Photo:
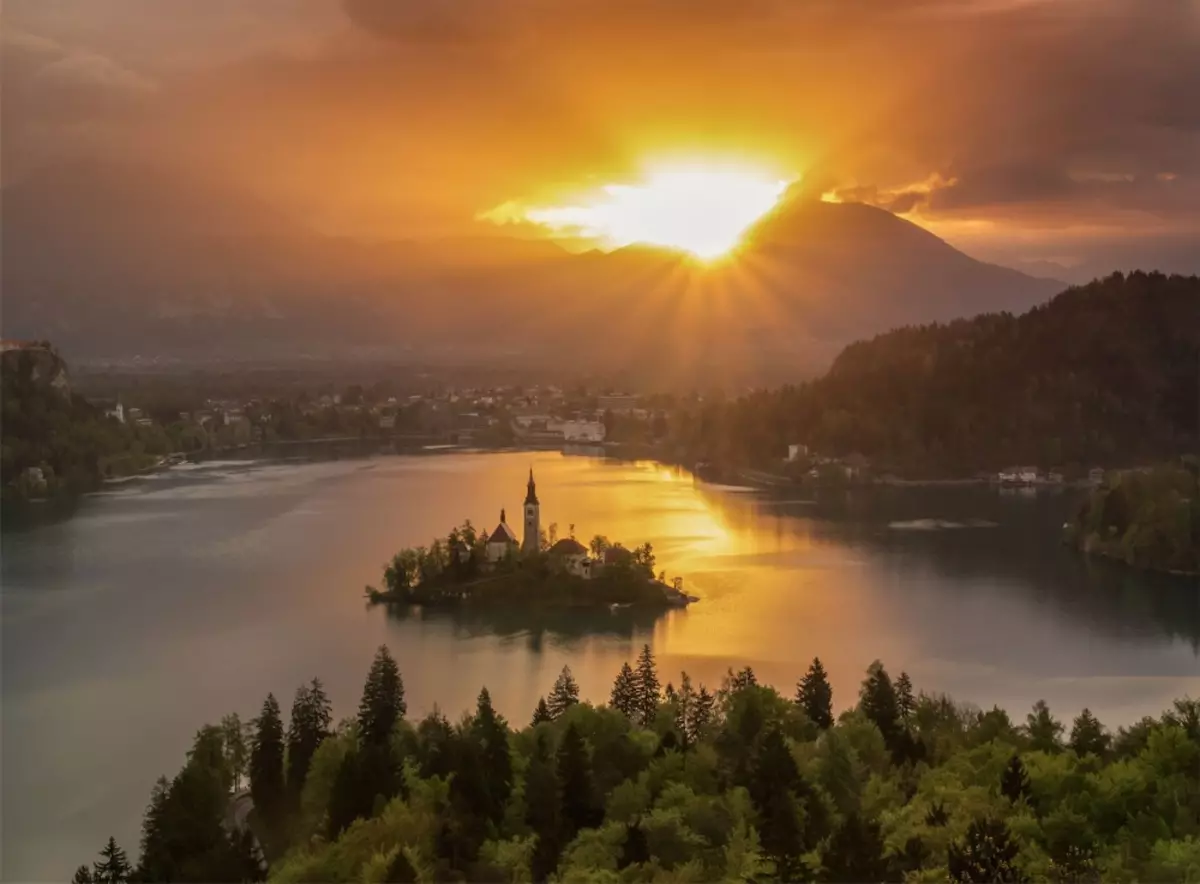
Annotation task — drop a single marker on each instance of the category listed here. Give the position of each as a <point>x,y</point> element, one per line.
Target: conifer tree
<point>878,702</point>
<point>577,797</point>
<point>700,715</point>
<point>742,679</point>
<point>774,779</point>
<point>1043,729</point>
<point>382,703</point>
<point>83,875</point>
<point>312,715</point>
<point>113,867</point>
<point>1014,782</point>
<point>155,864</point>
<point>543,811</point>
<point>635,848</point>
<point>266,762</point>
<point>905,702</point>
<point>490,732</point>
<point>565,693</point>
<point>985,855</point>
<point>855,853</point>
<point>647,688</point>
<point>541,713</point>
<point>237,752</point>
<point>1088,735</point>
<point>937,815</point>
<point>685,698</point>
<point>815,696</point>
<point>625,693</point>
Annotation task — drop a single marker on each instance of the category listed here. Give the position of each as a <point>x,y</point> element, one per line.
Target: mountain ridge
<point>108,271</point>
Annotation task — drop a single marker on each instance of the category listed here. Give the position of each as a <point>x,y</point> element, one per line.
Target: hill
<point>113,262</point>
<point>1105,373</point>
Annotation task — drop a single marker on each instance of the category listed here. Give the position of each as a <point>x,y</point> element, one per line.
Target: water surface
<point>166,602</point>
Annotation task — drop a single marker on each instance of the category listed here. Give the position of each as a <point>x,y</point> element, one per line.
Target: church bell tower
<point>532,537</point>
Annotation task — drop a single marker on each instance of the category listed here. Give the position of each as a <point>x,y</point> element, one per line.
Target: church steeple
<point>532,539</point>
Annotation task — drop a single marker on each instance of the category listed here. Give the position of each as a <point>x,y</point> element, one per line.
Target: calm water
<point>172,600</point>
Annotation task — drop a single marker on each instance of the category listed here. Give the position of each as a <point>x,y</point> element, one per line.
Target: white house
<point>501,541</point>
<point>582,431</point>
<point>574,557</point>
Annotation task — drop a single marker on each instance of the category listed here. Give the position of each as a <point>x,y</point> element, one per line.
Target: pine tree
<point>490,731</point>
<point>877,700</point>
<point>647,688</point>
<point>937,815</point>
<point>855,853</point>
<point>635,848</point>
<point>684,700</point>
<point>624,693</point>
<point>577,798</point>
<point>1088,735</point>
<point>905,703</point>
<point>986,855</point>
<point>541,713</point>
<point>565,693</point>
<point>542,810</point>
<point>83,875</point>
<point>155,863</point>
<point>266,762</point>
<point>312,715</point>
<point>742,679</point>
<point>773,781</point>
<point>700,716</point>
<point>1044,731</point>
<point>237,753</point>
<point>113,867</point>
<point>1014,782</point>
<point>382,703</point>
<point>815,696</point>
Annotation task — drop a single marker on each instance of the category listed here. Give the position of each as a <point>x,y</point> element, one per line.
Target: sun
<point>699,208</point>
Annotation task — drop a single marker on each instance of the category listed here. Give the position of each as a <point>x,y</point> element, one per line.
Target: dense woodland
<point>677,783</point>
<point>1105,374</point>
<point>52,429</point>
<point>1144,518</point>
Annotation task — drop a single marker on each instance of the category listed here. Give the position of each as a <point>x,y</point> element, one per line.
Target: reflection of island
<point>540,571</point>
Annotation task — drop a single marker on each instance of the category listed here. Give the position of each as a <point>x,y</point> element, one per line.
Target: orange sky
<point>1021,129</point>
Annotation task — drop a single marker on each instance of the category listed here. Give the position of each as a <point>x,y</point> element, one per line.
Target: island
<point>466,567</point>
<point>1147,518</point>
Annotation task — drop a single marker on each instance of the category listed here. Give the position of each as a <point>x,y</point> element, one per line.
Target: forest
<point>676,783</point>
<point>1145,518</point>
<point>48,427</point>
<point>1106,374</point>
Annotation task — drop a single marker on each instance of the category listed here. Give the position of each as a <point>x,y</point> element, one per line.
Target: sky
<point>1023,131</point>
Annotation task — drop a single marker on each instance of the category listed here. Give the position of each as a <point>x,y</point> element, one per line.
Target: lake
<point>168,601</point>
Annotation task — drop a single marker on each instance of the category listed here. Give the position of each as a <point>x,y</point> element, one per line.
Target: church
<point>503,541</point>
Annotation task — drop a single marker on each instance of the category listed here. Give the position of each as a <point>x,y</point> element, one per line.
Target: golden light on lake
<point>698,207</point>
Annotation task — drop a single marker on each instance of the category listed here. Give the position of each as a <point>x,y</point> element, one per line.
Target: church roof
<point>531,490</point>
<point>568,546</point>
<point>502,534</point>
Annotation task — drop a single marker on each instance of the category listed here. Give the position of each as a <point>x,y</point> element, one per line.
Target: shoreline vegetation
<point>1147,519</point>
<point>456,570</point>
<point>674,783</point>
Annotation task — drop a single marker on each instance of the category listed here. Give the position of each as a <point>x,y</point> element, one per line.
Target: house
<point>1096,476</point>
<point>582,431</point>
<point>573,556</point>
<point>1018,476</point>
<point>796,451</point>
<point>617,404</point>
<point>502,541</point>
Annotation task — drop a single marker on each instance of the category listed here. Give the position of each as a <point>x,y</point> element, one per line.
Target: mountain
<point>115,261</point>
<point>1107,373</point>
